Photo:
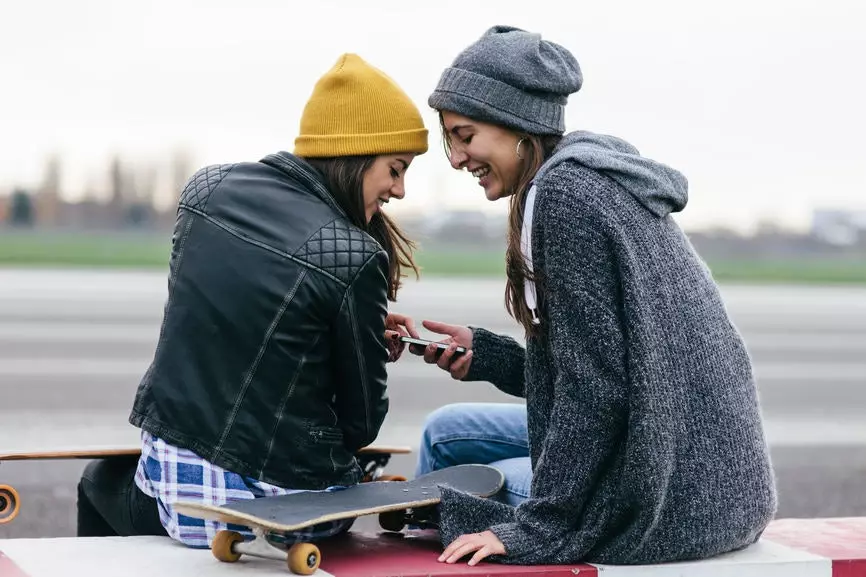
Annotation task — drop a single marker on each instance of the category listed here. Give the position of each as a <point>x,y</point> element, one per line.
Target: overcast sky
<point>762,104</point>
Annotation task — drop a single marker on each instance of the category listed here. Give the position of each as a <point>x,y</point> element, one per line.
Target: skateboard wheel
<point>9,504</point>
<point>391,478</point>
<point>303,558</point>
<point>223,546</point>
<point>392,520</point>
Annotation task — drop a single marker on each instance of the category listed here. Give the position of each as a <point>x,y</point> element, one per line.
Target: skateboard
<point>372,459</point>
<point>398,504</point>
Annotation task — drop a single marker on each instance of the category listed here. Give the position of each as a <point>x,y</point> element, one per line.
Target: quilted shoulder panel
<point>199,187</point>
<point>339,249</point>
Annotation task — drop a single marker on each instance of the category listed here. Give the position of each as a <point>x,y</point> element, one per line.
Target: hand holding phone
<point>454,354</point>
<point>397,325</point>
<point>441,347</point>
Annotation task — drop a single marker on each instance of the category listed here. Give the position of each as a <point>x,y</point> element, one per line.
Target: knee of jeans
<point>445,420</point>
<point>90,473</point>
<point>87,480</point>
<point>441,421</point>
<point>82,491</point>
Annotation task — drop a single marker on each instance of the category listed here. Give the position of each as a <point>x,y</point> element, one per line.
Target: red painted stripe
<point>415,555</point>
<point>8,568</point>
<point>843,540</point>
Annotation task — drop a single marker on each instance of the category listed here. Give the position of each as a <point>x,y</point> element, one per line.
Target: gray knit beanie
<point>513,78</point>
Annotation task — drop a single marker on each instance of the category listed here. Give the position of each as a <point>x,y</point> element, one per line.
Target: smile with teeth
<point>382,201</point>
<point>481,172</point>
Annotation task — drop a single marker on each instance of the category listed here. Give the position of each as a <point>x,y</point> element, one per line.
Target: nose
<point>458,158</point>
<point>398,190</point>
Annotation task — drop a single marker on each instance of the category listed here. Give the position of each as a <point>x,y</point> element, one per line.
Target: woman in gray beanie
<point>641,439</point>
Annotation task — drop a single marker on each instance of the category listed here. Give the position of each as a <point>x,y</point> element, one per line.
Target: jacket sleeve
<point>361,396</point>
<point>587,414</point>
<point>499,360</point>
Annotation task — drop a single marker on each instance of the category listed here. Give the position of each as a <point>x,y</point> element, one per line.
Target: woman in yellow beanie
<point>270,370</point>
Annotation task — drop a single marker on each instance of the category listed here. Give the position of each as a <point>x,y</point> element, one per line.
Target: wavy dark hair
<point>344,176</point>
<point>535,149</point>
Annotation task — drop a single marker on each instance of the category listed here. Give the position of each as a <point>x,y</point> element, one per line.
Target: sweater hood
<point>658,187</point>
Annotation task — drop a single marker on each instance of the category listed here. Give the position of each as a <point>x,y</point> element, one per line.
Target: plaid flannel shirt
<point>169,474</point>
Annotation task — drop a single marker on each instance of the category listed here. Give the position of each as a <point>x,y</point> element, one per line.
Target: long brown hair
<point>344,176</point>
<point>534,149</point>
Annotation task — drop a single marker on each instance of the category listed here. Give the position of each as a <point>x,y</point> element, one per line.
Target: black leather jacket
<point>271,356</point>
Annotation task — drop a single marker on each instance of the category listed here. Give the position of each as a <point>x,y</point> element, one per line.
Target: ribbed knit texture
<point>646,437</point>
<point>513,78</point>
<point>356,109</point>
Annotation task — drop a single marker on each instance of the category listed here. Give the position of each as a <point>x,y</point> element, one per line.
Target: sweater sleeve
<point>587,409</point>
<point>497,359</point>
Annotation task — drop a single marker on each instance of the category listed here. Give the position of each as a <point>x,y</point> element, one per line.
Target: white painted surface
<point>764,559</point>
<point>130,557</point>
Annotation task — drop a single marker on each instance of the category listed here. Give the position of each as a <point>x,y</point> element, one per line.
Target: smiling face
<point>488,151</point>
<point>383,181</point>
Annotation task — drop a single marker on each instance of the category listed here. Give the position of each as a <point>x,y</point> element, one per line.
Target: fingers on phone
<point>410,326</point>
<point>431,353</point>
<point>460,368</point>
<point>447,356</point>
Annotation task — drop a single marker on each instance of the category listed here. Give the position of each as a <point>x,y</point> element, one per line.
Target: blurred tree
<point>181,169</point>
<point>137,215</point>
<point>119,190</point>
<point>117,180</point>
<point>21,212</point>
<point>144,187</point>
<point>47,201</point>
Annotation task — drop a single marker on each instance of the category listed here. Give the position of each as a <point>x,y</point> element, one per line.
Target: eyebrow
<point>455,129</point>
<point>405,164</point>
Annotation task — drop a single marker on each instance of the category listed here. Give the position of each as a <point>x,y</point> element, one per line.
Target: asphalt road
<point>73,346</point>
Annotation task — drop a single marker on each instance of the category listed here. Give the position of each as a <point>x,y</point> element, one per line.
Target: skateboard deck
<point>372,459</point>
<point>71,453</point>
<point>128,450</point>
<point>396,502</point>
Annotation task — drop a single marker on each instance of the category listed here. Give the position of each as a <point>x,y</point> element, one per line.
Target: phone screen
<point>424,343</point>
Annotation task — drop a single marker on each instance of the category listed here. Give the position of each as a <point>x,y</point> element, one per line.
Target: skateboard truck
<point>301,558</point>
<point>374,468</point>
<point>418,518</point>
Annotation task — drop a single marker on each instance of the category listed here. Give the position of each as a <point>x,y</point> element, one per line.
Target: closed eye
<point>462,129</point>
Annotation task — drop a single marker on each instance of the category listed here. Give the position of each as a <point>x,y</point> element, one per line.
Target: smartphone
<point>424,343</point>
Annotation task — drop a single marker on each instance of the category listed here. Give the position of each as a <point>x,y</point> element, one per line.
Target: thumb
<point>441,328</point>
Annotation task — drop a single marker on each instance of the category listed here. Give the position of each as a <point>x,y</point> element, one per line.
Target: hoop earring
<point>519,142</point>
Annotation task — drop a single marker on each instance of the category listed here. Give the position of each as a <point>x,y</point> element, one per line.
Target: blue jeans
<point>492,434</point>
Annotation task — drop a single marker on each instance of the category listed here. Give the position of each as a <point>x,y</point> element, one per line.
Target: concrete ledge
<point>790,548</point>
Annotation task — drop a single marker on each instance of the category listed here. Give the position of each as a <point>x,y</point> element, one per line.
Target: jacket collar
<point>298,168</point>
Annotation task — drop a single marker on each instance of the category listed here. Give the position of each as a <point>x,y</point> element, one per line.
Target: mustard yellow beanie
<point>356,109</point>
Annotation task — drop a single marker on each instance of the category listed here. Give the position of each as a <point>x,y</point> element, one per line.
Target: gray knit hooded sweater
<point>645,431</point>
